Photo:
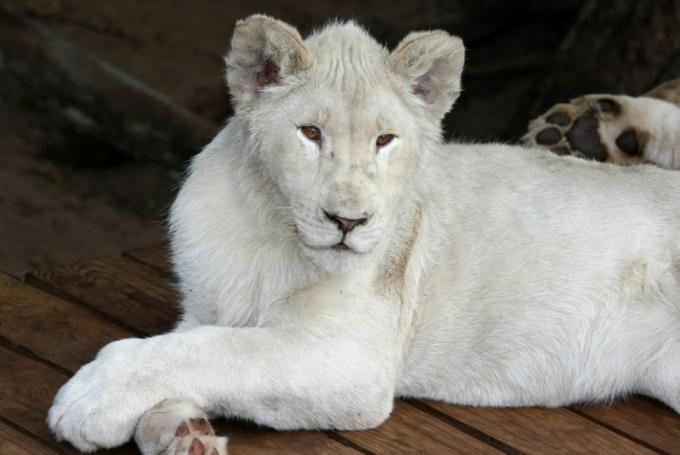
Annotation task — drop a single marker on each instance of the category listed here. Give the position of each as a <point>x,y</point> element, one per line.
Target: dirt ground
<point>53,212</point>
<point>58,208</point>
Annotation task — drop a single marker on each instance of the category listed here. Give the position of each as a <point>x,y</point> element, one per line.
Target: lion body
<point>332,253</point>
<point>532,278</point>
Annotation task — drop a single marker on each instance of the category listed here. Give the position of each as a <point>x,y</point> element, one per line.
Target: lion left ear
<point>432,64</point>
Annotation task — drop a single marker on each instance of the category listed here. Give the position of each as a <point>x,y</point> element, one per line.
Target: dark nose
<point>345,224</point>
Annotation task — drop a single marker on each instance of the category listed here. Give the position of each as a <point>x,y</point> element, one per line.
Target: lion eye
<point>384,139</point>
<point>311,132</point>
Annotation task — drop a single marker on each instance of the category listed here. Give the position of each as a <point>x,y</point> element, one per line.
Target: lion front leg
<point>334,372</point>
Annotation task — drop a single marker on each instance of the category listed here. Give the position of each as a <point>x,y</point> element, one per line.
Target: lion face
<point>341,163</point>
<point>340,124</point>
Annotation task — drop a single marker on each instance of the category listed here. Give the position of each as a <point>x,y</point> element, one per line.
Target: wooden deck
<point>57,318</point>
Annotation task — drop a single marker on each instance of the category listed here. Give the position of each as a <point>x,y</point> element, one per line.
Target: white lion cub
<point>333,253</point>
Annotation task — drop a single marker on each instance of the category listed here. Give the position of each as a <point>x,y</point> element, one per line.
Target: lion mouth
<point>340,246</point>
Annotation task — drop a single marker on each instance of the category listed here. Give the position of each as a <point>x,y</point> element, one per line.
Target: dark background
<point>102,103</point>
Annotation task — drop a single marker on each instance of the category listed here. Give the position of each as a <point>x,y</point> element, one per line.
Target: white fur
<point>661,120</point>
<point>487,274</point>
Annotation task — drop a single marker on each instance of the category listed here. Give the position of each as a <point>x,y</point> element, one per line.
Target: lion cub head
<point>341,124</point>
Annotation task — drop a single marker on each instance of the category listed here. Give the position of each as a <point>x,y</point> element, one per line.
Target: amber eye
<point>311,132</point>
<point>384,139</point>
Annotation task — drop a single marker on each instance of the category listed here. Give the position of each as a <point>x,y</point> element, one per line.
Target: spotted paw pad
<point>200,426</point>
<point>580,128</point>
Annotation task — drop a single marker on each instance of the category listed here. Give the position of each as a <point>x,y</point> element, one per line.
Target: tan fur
<point>668,91</point>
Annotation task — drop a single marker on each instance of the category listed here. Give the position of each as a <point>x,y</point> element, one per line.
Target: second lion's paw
<point>595,127</point>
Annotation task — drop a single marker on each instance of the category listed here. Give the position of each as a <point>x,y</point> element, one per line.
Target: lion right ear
<point>264,52</point>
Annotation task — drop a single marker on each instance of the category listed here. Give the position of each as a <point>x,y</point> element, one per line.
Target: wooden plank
<point>410,430</point>
<point>119,287</point>
<point>52,328</point>
<point>26,394</point>
<point>269,442</point>
<point>13,442</point>
<point>642,418</point>
<point>157,257</point>
<point>542,430</point>
<point>47,326</point>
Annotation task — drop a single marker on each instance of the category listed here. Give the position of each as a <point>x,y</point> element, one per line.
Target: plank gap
<point>25,352</point>
<point>44,286</point>
<point>465,428</point>
<point>31,436</point>
<point>128,292</point>
<point>157,256</point>
<point>617,431</point>
<point>150,268</point>
<point>164,273</point>
<point>337,437</point>
<point>654,402</point>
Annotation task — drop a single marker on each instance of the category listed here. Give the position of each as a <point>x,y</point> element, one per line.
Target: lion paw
<point>196,437</point>
<point>595,127</point>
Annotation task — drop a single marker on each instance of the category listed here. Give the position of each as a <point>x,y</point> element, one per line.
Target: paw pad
<point>559,118</point>
<point>200,426</point>
<point>196,447</point>
<point>196,437</point>
<point>584,137</point>
<point>631,142</point>
<point>609,106</point>
<point>580,128</point>
<point>561,150</point>
<point>549,136</point>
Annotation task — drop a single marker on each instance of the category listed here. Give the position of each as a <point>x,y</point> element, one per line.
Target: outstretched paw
<point>595,127</point>
<point>101,404</point>
<point>196,437</point>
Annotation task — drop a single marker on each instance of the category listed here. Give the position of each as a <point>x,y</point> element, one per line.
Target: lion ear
<point>432,64</point>
<point>264,52</point>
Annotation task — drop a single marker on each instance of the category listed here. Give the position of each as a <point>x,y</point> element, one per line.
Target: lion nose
<point>345,224</point>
